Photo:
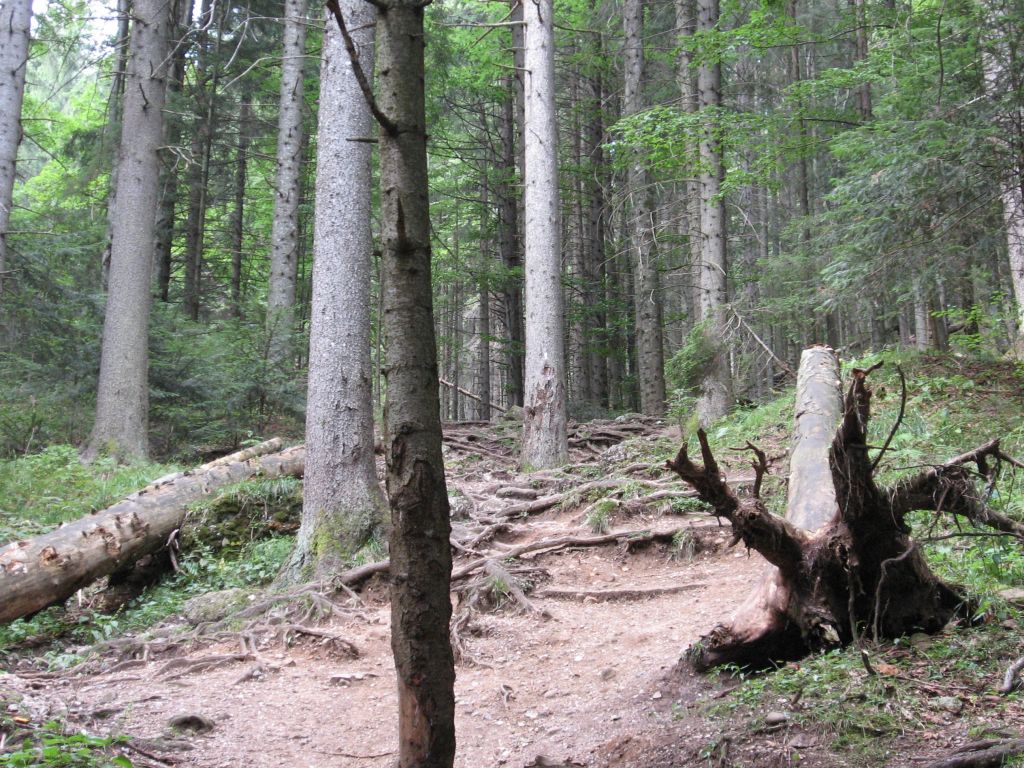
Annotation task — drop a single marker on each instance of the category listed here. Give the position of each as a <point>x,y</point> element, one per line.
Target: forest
<point>489,382</point>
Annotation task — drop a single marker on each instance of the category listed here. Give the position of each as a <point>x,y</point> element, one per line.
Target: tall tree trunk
<point>716,385</point>
<point>238,213</point>
<point>544,409</point>
<point>342,505</point>
<point>650,362</point>
<point>15,20</point>
<point>421,561</point>
<point>112,134</point>
<point>686,81</point>
<point>594,258</point>
<point>198,174</point>
<point>483,378</point>
<point>177,37</point>
<point>509,246</point>
<point>922,315</point>
<point>122,399</point>
<point>284,237</point>
<point>579,292</point>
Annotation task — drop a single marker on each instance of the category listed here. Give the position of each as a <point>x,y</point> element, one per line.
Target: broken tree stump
<point>48,569</point>
<point>844,563</point>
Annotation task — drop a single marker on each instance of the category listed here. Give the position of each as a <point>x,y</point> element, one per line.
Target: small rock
<point>531,714</point>
<point>607,673</point>
<point>1013,595</point>
<point>213,606</point>
<point>802,741</point>
<point>656,695</point>
<point>949,703</point>
<point>551,694</point>
<point>191,721</point>
<point>920,640</point>
<point>578,657</point>
<point>775,718</point>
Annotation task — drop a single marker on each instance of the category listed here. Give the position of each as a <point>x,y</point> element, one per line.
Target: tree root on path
<point>602,595</point>
<point>981,754</point>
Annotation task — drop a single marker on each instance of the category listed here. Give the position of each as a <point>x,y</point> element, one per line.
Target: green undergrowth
<point>41,490</point>
<point>55,745</point>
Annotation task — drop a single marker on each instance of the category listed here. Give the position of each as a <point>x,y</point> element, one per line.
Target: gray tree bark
<point>112,134</point>
<point>646,283</point>
<point>716,386</point>
<point>544,411</point>
<point>284,237</point>
<point>15,20</point>
<point>122,399</point>
<point>342,502</point>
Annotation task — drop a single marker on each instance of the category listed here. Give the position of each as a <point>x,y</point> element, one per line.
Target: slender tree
<point>716,385</point>
<point>15,19</point>
<point>650,363</point>
<point>421,560</point>
<point>544,408</point>
<point>122,399</point>
<point>342,504</point>
<point>284,237</point>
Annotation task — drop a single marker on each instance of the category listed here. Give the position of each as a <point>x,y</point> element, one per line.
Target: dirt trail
<point>562,684</point>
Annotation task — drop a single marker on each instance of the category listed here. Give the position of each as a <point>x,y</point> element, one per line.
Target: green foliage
<point>599,516</point>
<point>41,490</point>
<point>55,745</point>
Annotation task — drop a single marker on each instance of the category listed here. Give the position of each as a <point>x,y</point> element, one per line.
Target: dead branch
<point>1010,678</point>
<point>776,539</point>
<point>981,754</point>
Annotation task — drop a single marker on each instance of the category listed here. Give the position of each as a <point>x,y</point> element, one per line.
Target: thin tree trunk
<point>509,246</point>
<point>594,257</point>
<point>284,238</point>
<point>342,501</point>
<point>182,19</point>
<point>198,174</point>
<point>484,305</point>
<point>420,516</point>
<point>112,136</point>
<point>650,360</point>
<point>238,214</point>
<point>716,386</point>
<point>544,410</point>
<point>15,20</point>
<point>122,400</point>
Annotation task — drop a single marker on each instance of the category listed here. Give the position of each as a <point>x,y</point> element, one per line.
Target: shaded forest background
<point>872,191</point>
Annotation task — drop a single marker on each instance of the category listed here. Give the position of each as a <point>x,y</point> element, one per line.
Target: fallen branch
<point>1010,678</point>
<point>981,754</point>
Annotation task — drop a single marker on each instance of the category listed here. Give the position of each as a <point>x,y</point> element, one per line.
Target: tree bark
<point>181,14</point>
<point>509,245</point>
<point>844,562</point>
<point>544,411</point>
<point>650,362</point>
<point>15,20</point>
<point>284,237</point>
<point>238,213</point>
<point>421,561</point>
<point>342,503</point>
<point>112,133</point>
<point>50,568</point>
<point>122,399</point>
<point>716,385</point>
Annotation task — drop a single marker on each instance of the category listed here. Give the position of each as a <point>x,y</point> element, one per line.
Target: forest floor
<point>569,655</point>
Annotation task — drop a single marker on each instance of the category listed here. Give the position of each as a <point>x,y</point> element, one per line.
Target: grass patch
<point>42,490</point>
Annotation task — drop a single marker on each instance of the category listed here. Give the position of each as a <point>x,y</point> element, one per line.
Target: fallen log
<point>844,561</point>
<point>50,568</point>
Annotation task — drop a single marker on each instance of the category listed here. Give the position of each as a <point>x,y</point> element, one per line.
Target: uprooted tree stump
<point>845,564</point>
